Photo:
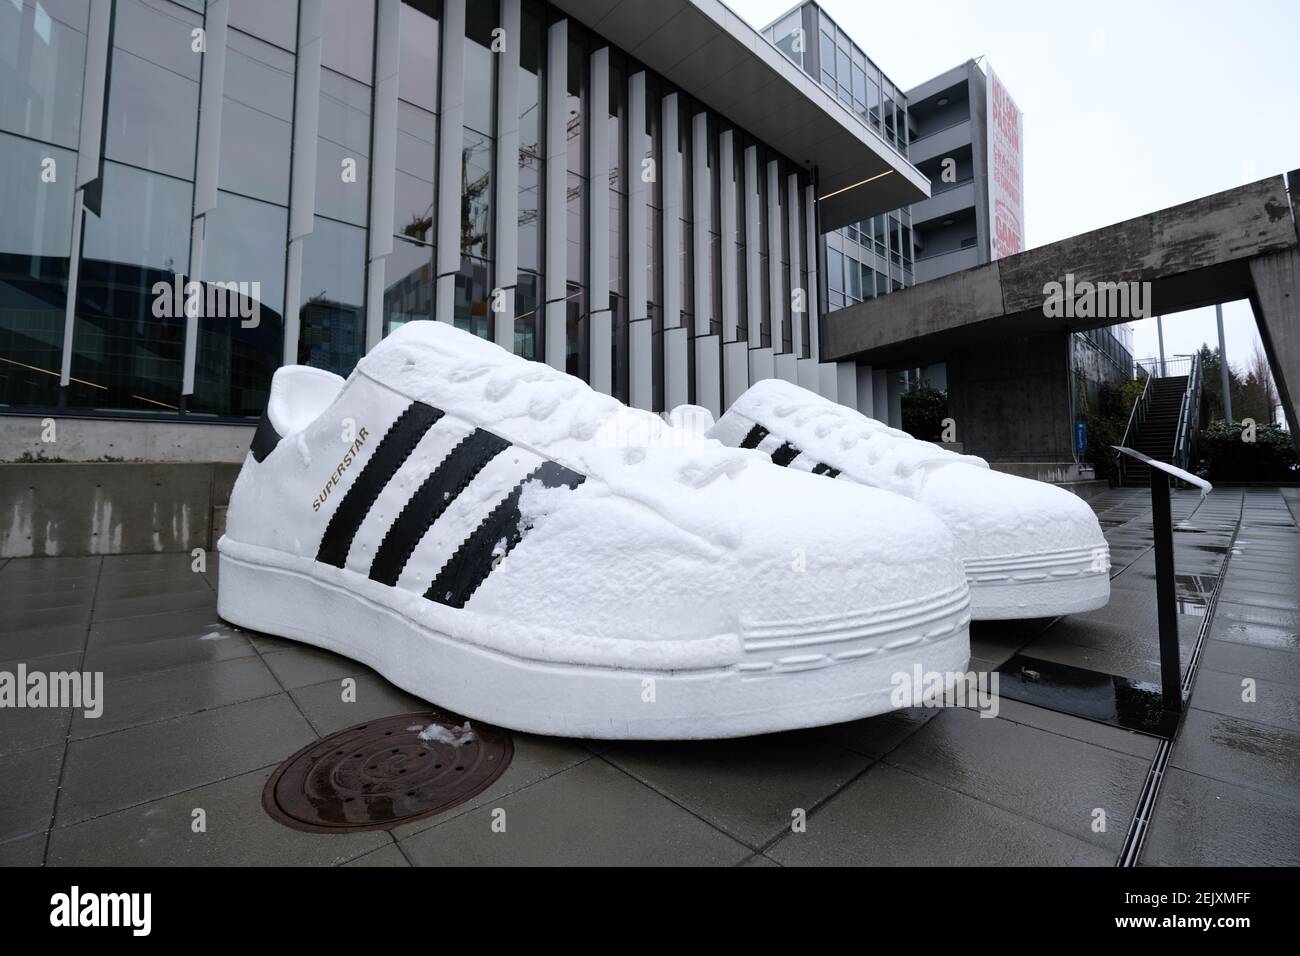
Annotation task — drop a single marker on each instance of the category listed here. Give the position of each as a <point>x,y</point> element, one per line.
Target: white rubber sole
<point>1043,584</point>
<point>840,673</point>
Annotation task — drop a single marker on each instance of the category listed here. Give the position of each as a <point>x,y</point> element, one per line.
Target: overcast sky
<point>1129,106</point>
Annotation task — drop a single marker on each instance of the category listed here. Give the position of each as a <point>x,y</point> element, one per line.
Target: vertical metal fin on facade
<point>90,141</point>
<point>813,282</point>
<point>676,337</point>
<point>557,192</point>
<point>450,144</point>
<point>798,292</point>
<point>753,274</point>
<point>506,203</point>
<point>671,234</point>
<point>602,324</point>
<point>383,162</point>
<point>729,238</point>
<point>701,218</point>
<point>302,188</point>
<point>640,336</point>
<point>780,307</point>
<point>708,354</point>
<point>211,99</point>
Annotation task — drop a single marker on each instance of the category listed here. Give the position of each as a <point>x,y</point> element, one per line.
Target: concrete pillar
<point>1276,304</point>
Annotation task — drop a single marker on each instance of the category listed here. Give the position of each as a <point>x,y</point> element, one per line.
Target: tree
<point>1260,396</point>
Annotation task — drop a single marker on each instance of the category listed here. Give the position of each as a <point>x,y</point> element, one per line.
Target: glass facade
<point>883,246</point>
<point>262,196</point>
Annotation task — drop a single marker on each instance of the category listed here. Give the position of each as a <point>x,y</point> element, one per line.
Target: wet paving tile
<point>592,815</point>
<point>1200,821</point>
<point>28,782</point>
<point>385,856</point>
<point>877,736</point>
<point>1077,728</point>
<point>330,707</point>
<point>220,643</point>
<point>236,832</point>
<point>1259,700</point>
<point>1252,660</point>
<point>119,770</point>
<point>302,666</point>
<point>1241,752</point>
<point>31,728</point>
<point>1055,780</point>
<point>748,788</point>
<point>889,817</point>
<point>159,695</point>
<point>24,851</point>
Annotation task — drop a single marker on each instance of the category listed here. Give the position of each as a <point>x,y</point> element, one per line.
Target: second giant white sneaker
<point>492,535</point>
<point>1030,549</point>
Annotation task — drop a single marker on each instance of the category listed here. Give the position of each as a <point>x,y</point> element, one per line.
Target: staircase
<point>1157,435</point>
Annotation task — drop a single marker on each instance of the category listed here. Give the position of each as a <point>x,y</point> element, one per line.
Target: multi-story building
<point>942,127</point>
<point>633,192</point>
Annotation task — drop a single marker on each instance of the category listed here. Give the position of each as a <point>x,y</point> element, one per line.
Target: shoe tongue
<point>695,419</point>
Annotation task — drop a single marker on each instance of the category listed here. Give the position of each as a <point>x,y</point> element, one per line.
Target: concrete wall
<point>53,509</point>
<point>1010,398</point>
<point>23,438</point>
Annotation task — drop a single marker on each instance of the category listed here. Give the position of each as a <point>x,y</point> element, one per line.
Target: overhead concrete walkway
<point>1008,360</point>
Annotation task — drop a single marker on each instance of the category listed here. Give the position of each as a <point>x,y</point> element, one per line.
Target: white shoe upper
<point>991,514</point>
<point>506,503</point>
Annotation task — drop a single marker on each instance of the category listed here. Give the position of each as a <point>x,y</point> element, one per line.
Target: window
<point>348,37</point>
<point>785,35</point>
<point>42,61</point>
<point>35,232</point>
<point>408,284</point>
<point>343,149</point>
<point>413,193</point>
<point>123,356</point>
<point>417,78</point>
<point>153,100</point>
<point>532,151</point>
<point>827,55</point>
<point>256,120</point>
<point>275,22</point>
<point>333,309</point>
<point>236,356</point>
<point>476,195</point>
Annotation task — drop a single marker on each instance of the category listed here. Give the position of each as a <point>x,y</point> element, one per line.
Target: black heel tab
<point>264,439</point>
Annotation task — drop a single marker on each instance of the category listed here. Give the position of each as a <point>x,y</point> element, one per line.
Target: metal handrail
<point>1185,435</point>
<point>1135,418</point>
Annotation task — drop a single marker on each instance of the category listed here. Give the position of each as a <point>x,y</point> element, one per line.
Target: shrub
<point>924,409</point>
<point>1225,457</point>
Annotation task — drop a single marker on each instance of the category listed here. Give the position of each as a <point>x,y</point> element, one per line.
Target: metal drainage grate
<point>379,774</point>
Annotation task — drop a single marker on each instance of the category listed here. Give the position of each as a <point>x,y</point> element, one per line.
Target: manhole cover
<point>385,772</point>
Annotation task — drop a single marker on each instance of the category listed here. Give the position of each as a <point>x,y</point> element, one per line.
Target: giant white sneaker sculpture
<point>497,538</point>
<point>1030,549</point>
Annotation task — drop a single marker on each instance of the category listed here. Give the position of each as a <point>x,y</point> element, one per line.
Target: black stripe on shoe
<point>785,454</point>
<point>493,539</point>
<point>756,435</point>
<point>394,448</point>
<point>431,499</point>
<point>826,470</point>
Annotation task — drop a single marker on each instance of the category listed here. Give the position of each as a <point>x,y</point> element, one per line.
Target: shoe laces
<point>593,417</point>
<point>881,441</point>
